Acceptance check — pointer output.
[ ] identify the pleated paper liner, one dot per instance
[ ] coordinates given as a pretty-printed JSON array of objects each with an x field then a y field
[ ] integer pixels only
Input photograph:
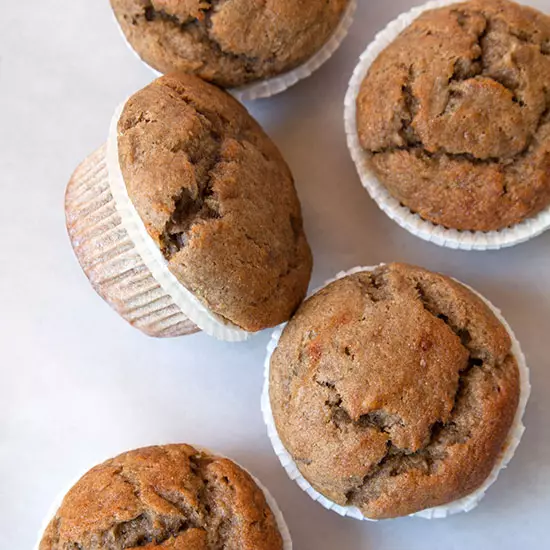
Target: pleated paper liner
[
  {"x": 121, "y": 260},
  {"x": 277, "y": 84},
  {"x": 437, "y": 234},
  {"x": 464, "y": 504},
  {"x": 270, "y": 499}
]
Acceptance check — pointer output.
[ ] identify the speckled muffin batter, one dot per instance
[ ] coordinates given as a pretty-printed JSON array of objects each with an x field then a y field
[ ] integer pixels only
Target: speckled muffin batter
[
  {"x": 228, "y": 42},
  {"x": 217, "y": 197},
  {"x": 171, "y": 498},
  {"x": 394, "y": 390},
  {"x": 455, "y": 117}
]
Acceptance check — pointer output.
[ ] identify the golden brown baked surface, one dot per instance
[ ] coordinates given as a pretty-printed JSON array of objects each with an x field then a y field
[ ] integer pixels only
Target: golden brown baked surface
[
  {"x": 170, "y": 497},
  {"x": 228, "y": 42},
  {"x": 394, "y": 390},
  {"x": 216, "y": 195},
  {"x": 455, "y": 115}
]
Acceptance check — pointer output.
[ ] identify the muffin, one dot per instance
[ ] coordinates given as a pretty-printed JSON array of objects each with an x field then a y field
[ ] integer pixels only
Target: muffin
[
  {"x": 395, "y": 391},
  {"x": 232, "y": 44},
  {"x": 452, "y": 117},
  {"x": 188, "y": 218},
  {"x": 168, "y": 497}
]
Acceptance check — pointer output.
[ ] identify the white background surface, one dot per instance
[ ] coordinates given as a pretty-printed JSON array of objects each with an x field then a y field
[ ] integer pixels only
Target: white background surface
[{"x": 79, "y": 385}]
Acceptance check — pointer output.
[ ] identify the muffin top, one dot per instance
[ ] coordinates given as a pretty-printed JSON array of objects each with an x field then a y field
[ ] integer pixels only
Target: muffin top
[
  {"x": 455, "y": 118},
  {"x": 229, "y": 43},
  {"x": 217, "y": 197},
  {"x": 394, "y": 390},
  {"x": 172, "y": 498}
]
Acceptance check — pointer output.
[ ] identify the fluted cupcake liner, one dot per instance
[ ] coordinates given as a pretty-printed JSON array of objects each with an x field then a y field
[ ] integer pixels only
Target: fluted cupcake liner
[
  {"x": 426, "y": 230},
  {"x": 464, "y": 504},
  {"x": 121, "y": 260},
  {"x": 277, "y": 84},
  {"x": 270, "y": 499}
]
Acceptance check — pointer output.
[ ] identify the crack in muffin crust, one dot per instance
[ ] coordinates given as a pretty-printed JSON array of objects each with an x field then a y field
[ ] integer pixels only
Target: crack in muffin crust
[
  {"x": 382, "y": 420},
  {"x": 462, "y": 134},
  {"x": 396, "y": 401},
  {"x": 190, "y": 206},
  {"x": 200, "y": 24},
  {"x": 189, "y": 210},
  {"x": 143, "y": 530},
  {"x": 464, "y": 69}
]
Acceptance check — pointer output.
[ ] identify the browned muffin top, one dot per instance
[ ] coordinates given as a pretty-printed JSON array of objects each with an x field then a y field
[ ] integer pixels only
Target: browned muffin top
[
  {"x": 394, "y": 390},
  {"x": 455, "y": 115},
  {"x": 215, "y": 194},
  {"x": 230, "y": 43},
  {"x": 172, "y": 498}
]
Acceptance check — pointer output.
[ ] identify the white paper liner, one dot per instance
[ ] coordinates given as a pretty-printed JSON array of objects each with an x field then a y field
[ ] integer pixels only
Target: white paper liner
[
  {"x": 437, "y": 234},
  {"x": 280, "y": 83},
  {"x": 270, "y": 499},
  {"x": 464, "y": 504},
  {"x": 147, "y": 249}
]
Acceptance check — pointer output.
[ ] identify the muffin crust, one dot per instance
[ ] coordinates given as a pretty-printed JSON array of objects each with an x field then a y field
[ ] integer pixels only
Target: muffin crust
[
  {"x": 171, "y": 497},
  {"x": 394, "y": 390},
  {"x": 229, "y": 43},
  {"x": 454, "y": 115},
  {"x": 217, "y": 197}
]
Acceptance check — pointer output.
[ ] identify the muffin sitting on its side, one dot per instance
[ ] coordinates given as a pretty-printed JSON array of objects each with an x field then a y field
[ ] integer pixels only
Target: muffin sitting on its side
[
  {"x": 189, "y": 216},
  {"x": 164, "y": 498},
  {"x": 228, "y": 43},
  {"x": 394, "y": 391},
  {"x": 455, "y": 115}
]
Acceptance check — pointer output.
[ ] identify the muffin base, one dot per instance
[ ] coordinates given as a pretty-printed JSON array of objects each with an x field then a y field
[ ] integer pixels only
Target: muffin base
[
  {"x": 121, "y": 260},
  {"x": 464, "y": 504},
  {"x": 270, "y": 499},
  {"x": 277, "y": 84},
  {"x": 426, "y": 230}
]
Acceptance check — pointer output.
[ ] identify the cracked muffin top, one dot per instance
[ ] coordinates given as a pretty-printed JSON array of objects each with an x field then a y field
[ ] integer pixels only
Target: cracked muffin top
[
  {"x": 455, "y": 118},
  {"x": 171, "y": 498},
  {"x": 228, "y": 42},
  {"x": 394, "y": 390},
  {"x": 217, "y": 197}
]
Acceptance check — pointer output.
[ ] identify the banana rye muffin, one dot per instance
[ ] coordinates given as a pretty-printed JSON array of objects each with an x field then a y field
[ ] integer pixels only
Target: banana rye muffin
[
  {"x": 215, "y": 197},
  {"x": 172, "y": 498},
  {"x": 394, "y": 390},
  {"x": 454, "y": 115},
  {"x": 229, "y": 43}
]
